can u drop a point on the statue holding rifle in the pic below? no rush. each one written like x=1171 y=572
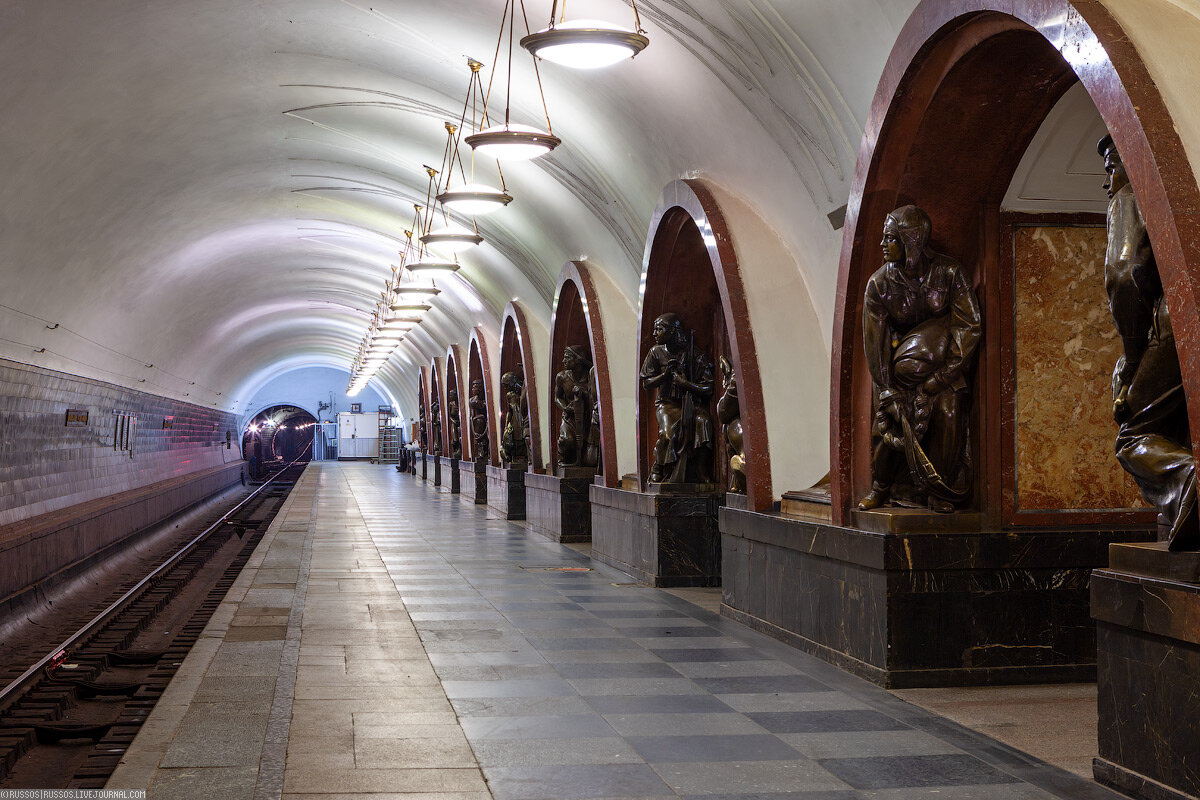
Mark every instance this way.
x=683 y=379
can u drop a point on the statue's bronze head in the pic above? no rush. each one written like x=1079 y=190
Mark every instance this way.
x=668 y=327
x=1114 y=167
x=575 y=354
x=914 y=228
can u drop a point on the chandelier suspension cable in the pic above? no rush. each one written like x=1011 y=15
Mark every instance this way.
x=537 y=73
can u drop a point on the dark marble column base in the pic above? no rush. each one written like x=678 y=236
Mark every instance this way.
x=1147 y=611
x=925 y=609
x=559 y=508
x=660 y=539
x=433 y=469
x=472 y=482
x=448 y=471
x=506 y=492
x=423 y=465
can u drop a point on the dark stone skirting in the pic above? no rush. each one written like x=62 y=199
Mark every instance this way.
x=559 y=508
x=660 y=539
x=448 y=471
x=433 y=469
x=506 y=492
x=472 y=482
x=924 y=609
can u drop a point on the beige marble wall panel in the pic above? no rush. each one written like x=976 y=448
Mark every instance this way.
x=1065 y=350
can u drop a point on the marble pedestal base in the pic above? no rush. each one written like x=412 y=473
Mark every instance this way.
x=422 y=465
x=919 y=609
x=1147 y=611
x=472 y=482
x=433 y=469
x=448 y=470
x=558 y=508
x=660 y=539
x=506 y=492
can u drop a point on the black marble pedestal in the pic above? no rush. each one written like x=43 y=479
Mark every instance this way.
x=1147 y=611
x=660 y=539
x=558 y=507
x=917 y=609
x=422 y=459
x=433 y=469
x=506 y=492
x=472 y=482
x=448 y=471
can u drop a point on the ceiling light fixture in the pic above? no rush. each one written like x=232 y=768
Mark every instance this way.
x=471 y=198
x=586 y=43
x=512 y=141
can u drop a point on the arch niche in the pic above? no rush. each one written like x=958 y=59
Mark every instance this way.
x=516 y=354
x=691 y=269
x=454 y=384
x=973 y=80
x=435 y=391
x=578 y=320
x=423 y=410
x=479 y=368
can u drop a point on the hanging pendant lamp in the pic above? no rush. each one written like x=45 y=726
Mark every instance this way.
x=471 y=198
x=586 y=43
x=512 y=141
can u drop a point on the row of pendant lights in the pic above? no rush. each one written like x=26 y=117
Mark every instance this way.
x=582 y=44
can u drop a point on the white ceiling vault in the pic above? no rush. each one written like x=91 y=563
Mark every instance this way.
x=200 y=195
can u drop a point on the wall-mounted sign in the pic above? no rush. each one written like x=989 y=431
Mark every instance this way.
x=168 y=422
x=356 y=408
x=77 y=418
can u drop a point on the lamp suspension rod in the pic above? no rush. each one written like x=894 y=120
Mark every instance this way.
x=536 y=72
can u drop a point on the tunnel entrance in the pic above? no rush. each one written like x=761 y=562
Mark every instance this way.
x=276 y=436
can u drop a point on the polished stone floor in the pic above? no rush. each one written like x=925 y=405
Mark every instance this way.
x=439 y=654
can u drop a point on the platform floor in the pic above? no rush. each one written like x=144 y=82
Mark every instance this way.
x=391 y=641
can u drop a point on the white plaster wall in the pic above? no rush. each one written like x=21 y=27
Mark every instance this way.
x=620 y=330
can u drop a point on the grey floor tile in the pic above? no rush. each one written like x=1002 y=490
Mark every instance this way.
x=575 y=782
x=575 y=726
x=672 y=724
x=761 y=684
x=741 y=747
x=508 y=688
x=519 y=706
x=657 y=704
x=648 y=669
x=825 y=721
x=868 y=744
x=748 y=777
x=890 y=772
x=710 y=654
x=531 y=752
x=638 y=686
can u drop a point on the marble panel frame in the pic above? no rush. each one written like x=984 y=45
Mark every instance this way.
x=479 y=368
x=949 y=49
x=516 y=346
x=454 y=375
x=436 y=389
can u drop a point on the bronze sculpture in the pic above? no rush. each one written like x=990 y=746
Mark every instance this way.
x=514 y=450
x=1153 y=438
x=591 y=456
x=477 y=403
x=455 y=423
x=422 y=431
x=921 y=331
x=574 y=394
x=729 y=414
x=683 y=379
x=435 y=422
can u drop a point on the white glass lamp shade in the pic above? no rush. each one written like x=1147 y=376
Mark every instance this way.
x=417 y=294
x=451 y=239
x=430 y=267
x=585 y=44
x=512 y=142
x=474 y=199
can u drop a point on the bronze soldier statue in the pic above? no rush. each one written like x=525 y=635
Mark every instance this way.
x=422 y=431
x=574 y=395
x=729 y=413
x=921 y=330
x=455 y=423
x=477 y=402
x=1154 y=443
x=514 y=450
x=683 y=380
x=435 y=422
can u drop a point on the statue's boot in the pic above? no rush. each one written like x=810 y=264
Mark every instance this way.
x=874 y=499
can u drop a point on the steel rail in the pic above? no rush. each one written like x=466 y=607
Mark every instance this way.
x=123 y=600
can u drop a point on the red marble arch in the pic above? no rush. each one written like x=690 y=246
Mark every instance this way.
x=577 y=313
x=423 y=406
x=454 y=375
x=437 y=389
x=681 y=202
x=965 y=88
x=517 y=347
x=479 y=368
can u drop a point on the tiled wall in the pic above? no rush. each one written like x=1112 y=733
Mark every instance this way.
x=45 y=465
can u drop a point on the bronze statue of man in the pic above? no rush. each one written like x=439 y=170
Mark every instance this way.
x=435 y=423
x=683 y=380
x=477 y=403
x=573 y=394
x=729 y=413
x=455 y=423
x=921 y=330
x=422 y=430
x=514 y=451
x=1154 y=443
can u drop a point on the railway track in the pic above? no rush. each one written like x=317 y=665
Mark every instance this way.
x=67 y=720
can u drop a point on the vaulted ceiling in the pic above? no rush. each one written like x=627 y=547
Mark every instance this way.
x=200 y=196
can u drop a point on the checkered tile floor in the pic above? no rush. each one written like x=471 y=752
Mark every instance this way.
x=581 y=685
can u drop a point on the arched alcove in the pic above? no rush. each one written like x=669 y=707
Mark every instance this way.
x=978 y=82
x=437 y=433
x=578 y=320
x=479 y=368
x=423 y=410
x=454 y=384
x=516 y=354
x=691 y=269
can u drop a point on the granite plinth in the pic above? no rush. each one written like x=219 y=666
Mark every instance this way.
x=660 y=539
x=506 y=492
x=433 y=469
x=423 y=465
x=920 y=609
x=472 y=482
x=1147 y=611
x=448 y=469
x=558 y=508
